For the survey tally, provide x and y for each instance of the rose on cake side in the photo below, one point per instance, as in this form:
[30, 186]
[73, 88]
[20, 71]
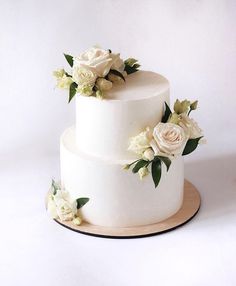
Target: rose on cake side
[177, 134]
[94, 72]
[60, 206]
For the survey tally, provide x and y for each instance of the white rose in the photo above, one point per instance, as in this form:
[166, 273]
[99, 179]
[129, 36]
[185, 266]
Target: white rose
[96, 60]
[148, 154]
[103, 84]
[83, 76]
[141, 142]
[65, 209]
[170, 138]
[117, 63]
[190, 127]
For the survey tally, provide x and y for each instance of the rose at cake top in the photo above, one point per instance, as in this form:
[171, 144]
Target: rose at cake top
[99, 61]
[94, 72]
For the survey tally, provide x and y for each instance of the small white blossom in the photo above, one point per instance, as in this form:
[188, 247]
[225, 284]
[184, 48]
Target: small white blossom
[141, 142]
[143, 172]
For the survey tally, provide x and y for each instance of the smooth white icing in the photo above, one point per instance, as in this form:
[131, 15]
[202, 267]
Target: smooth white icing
[117, 197]
[103, 127]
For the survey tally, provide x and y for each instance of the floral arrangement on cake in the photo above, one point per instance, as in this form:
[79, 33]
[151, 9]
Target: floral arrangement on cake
[94, 72]
[60, 206]
[177, 134]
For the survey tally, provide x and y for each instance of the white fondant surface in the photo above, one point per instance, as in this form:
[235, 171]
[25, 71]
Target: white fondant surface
[117, 197]
[103, 127]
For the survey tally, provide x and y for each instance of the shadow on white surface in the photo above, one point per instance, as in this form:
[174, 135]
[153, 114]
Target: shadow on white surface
[216, 181]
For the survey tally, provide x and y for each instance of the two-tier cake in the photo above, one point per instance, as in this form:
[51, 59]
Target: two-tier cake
[124, 131]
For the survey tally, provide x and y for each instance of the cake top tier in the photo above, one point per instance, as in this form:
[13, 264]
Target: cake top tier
[139, 85]
[104, 127]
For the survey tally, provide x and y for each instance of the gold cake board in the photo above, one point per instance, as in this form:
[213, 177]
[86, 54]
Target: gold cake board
[190, 207]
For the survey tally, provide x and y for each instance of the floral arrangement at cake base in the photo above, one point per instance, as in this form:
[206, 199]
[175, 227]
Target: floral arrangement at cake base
[94, 72]
[176, 135]
[60, 206]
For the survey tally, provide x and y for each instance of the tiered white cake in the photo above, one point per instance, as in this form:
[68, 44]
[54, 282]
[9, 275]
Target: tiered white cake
[95, 150]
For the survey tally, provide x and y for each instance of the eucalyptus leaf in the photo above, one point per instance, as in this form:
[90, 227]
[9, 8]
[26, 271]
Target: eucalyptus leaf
[140, 164]
[191, 145]
[166, 161]
[69, 59]
[117, 73]
[167, 113]
[81, 202]
[72, 91]
[156, 172]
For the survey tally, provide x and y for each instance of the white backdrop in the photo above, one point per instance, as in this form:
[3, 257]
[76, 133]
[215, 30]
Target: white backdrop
[193, 44]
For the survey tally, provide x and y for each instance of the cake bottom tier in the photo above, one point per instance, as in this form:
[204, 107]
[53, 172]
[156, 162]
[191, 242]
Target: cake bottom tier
[117, 197]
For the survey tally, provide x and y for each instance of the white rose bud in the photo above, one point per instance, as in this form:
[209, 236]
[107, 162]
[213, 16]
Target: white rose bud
[77, 221]
[115, 78]
[148, 154]
[143, 172]
[103, 84]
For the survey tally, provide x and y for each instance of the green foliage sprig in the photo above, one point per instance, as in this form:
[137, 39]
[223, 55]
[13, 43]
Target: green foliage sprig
[131, 65]
[156, 167]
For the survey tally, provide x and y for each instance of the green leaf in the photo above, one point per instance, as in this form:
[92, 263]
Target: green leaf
[167, 114]
[68, 74]
[191, 145]
[140, 164]
[136, 66]
[166, 161]
[156, 172]
[131, 65]
[72, 91]
[117, 73]
[54, 186]
[130, 62]
[69, 59]
[81, 202]
[130, 69]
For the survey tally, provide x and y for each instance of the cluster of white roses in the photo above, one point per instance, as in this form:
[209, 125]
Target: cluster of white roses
[168, 139]
[94, 72]
[60, 206]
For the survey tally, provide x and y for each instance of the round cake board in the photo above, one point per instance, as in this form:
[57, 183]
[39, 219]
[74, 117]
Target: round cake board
[190, 207]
